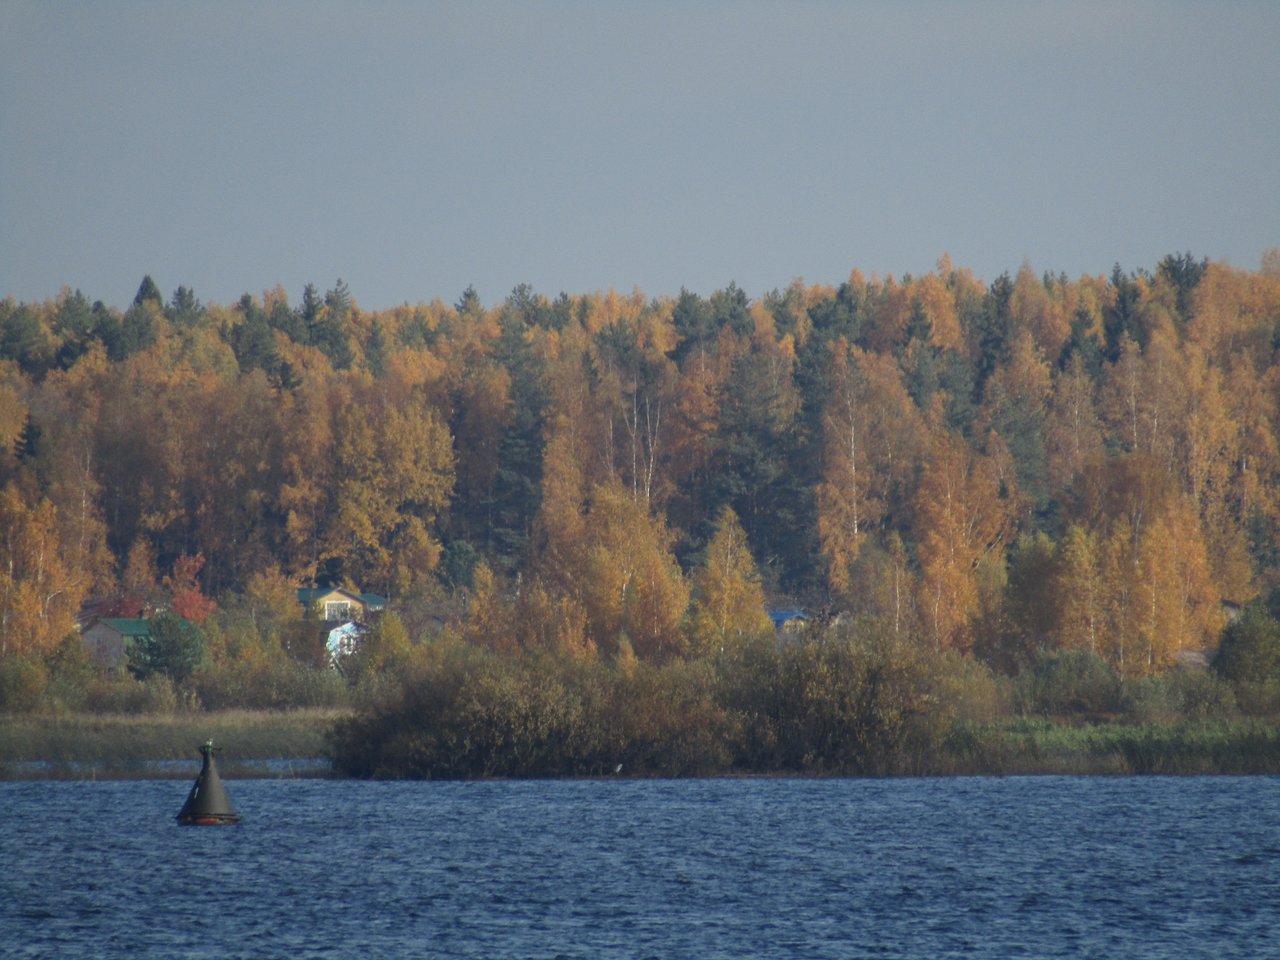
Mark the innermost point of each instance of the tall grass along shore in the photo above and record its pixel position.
(256, 743)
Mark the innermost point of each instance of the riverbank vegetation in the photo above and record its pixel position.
(978, 493)
(850, 703)
(117, 745)
(844, 703)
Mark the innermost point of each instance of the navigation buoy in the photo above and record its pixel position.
(207, 803)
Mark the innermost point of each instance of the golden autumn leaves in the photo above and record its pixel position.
(1026, 466)
(617, 590)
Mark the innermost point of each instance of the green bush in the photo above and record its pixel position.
(70, 673)
(1258, 699)
(1200, 695)
(968, 691)
(462, 712)
(1249, 650)
(277, 684)
(1179, 695)
(155, 695)
(860, 702)
(23, 681)
(1149, 700)
(1072, 682)
(854, 702)
(664, 720)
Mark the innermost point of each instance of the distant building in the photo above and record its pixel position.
(337, 604)
(109, 640)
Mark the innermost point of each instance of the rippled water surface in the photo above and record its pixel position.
(1034, 867)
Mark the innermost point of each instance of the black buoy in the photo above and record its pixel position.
(207, 803)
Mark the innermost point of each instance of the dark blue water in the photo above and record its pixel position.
(1024, 867)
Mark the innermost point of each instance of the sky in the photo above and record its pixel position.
(414, 149)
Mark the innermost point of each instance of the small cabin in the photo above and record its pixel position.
(109, 639)
(339, 605)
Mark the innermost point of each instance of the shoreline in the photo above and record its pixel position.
(258, 745)
(294, 744)
(311, 768)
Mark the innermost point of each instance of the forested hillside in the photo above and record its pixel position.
(1029, 465)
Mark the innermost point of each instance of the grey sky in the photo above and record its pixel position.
(413, 149)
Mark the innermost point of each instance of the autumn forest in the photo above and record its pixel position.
(1000, 470)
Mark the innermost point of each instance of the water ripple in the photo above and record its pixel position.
(1037, 867)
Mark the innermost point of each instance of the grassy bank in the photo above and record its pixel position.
(854, 704)
(117, 745)
(1018, 747)
(120, 746)
(859, 707)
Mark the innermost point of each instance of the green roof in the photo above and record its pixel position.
(130, 627)
(313, 593)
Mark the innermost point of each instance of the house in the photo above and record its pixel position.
(339, 604)
(109, 639)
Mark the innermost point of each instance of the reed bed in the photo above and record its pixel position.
(118, 744)
(1044, 746)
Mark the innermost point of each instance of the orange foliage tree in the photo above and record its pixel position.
(39, 594)
(963, 514)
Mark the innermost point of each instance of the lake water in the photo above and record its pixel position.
(982, 867)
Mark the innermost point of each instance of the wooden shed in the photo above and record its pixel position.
(108, 640)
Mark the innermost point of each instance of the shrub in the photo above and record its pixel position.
(1199, 695)
(23, 681)
(1073, 682)
(155, 694)
(1149, 700)
(1258, 699)
(70, 673)
(275, 684)
(1249, 651)
(462, 712)
(861, 702)
(1179, 695)
(967, 690)
(664, 720)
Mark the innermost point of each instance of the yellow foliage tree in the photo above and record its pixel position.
(1079, 587)
(39, 594)
(395, 477)
(656, 603)
(873, 437)
(633, 586)
(1036, 312)
(1156, 586)
(548, 621)
(1072, 431)
(963, 512)
(729, 600)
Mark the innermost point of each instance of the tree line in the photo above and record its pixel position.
(1002, 470)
